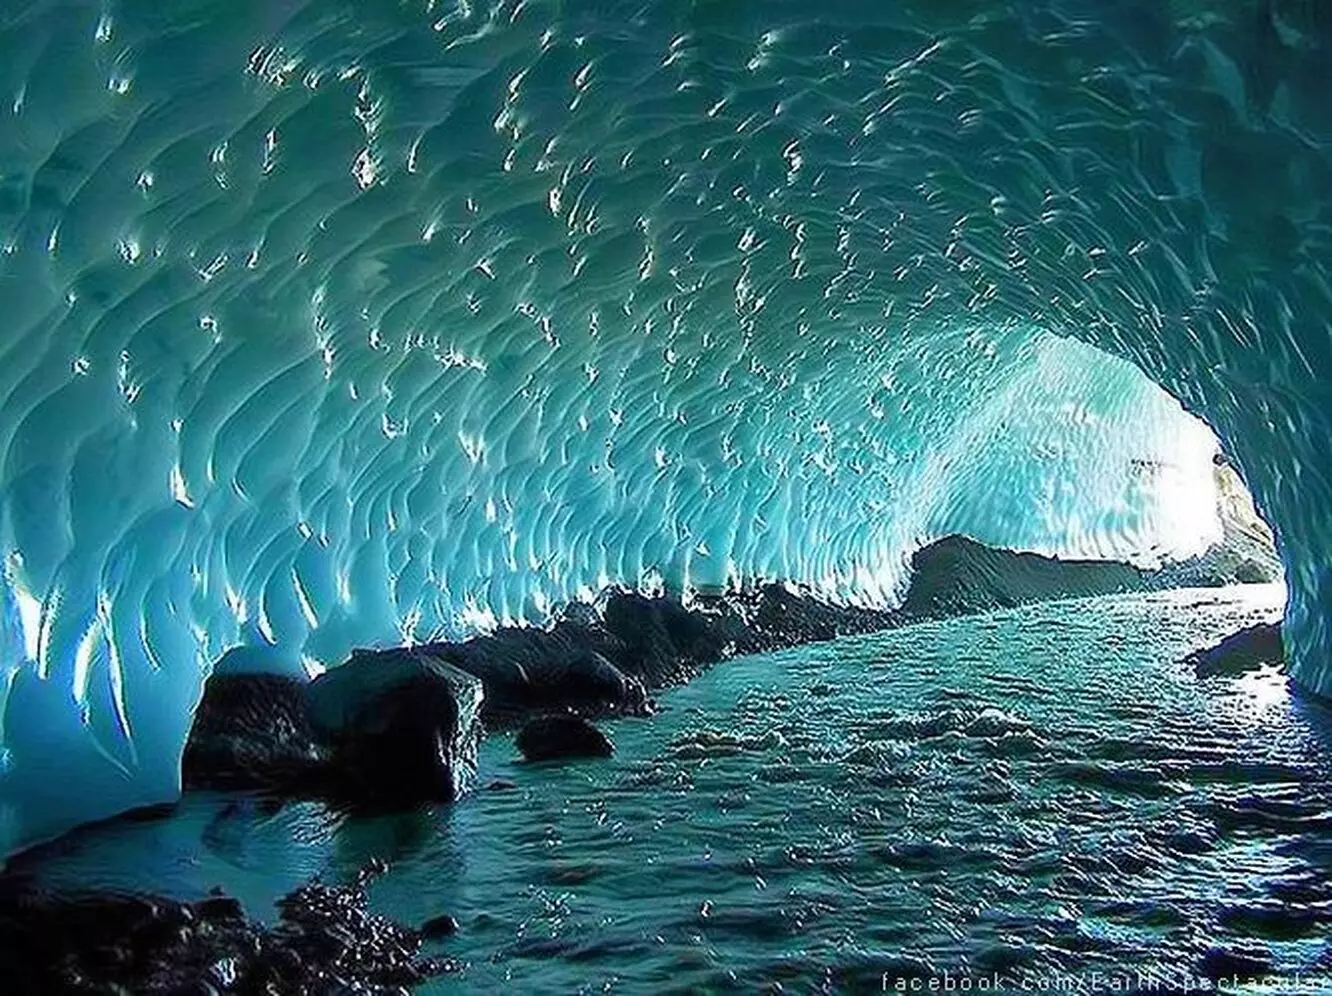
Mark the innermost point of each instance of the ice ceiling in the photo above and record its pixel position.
(336, 323)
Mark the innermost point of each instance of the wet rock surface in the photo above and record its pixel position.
(576, 664)
(1242, 651)
(605, 659)
(325, 941)
(443, 925)
(562, 735)
(402, 724)
(252, 731)
(663, 640)
(386, 728)
(957, 576)
(781, 615)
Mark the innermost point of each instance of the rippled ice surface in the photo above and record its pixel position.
(1039, 790)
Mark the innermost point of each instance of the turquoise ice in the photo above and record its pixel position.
(330, 323)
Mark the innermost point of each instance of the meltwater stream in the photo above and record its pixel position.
(1023, 795)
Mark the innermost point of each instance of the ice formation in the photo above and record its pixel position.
(336, 323)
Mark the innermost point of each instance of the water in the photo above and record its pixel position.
(1033, 792)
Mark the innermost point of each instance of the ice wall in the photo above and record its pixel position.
(338, 323)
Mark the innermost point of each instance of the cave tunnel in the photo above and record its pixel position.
(330, 325)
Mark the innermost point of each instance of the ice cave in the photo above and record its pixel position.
(334, 325)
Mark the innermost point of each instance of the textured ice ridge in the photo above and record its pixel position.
(330, 324)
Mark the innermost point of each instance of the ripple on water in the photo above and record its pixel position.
(785, 821)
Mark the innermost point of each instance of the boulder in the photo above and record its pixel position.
(443, 925)
(956, 576)
(562, 735)
(588, 677)
(529, 670)
(402, 725)
(786, 615)
(659, 639)
(1246, 650)
(251, 731)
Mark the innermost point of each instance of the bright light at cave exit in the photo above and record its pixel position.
(1187, 496)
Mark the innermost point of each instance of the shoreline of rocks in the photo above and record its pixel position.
(400, 725)
(252, 731)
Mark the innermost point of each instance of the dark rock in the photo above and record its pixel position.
(562, 735)
(785, 615)
(526, 670)
(604, 661)
(589, 677)
(660, 640)
(251, 731)
(1246, 650)
(956, 576)
(440, 926)
(219, 908)
(107, 942)
(387, 728)
(402, 725)
(501, 785)
(593, 662)
(149, 814)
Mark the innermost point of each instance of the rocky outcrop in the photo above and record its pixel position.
(605, 659)
(955, 576)
(664, 641)
(376, 720)
(252, 731)
(595, 660)
(570, 665)
(388, 727)
(402, 726)
(562, 735)
(326, 940)
(776, 616)
(1243, 651)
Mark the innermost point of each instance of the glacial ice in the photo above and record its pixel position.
(329, 323)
